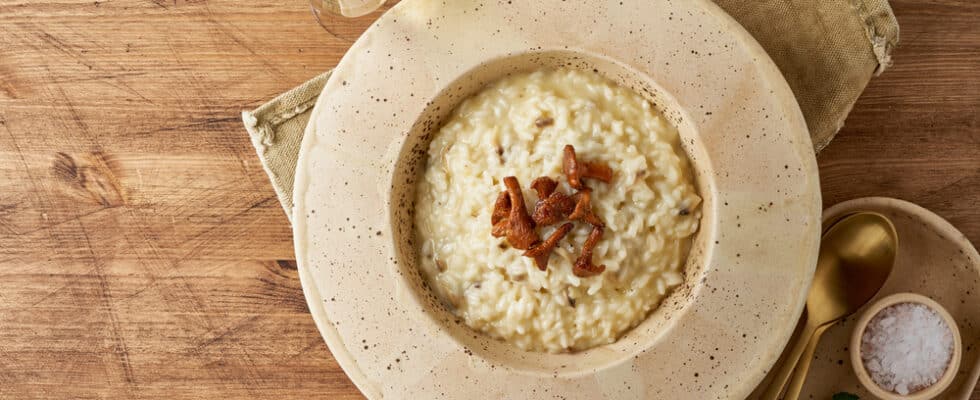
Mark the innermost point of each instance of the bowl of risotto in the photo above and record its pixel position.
(553, 199)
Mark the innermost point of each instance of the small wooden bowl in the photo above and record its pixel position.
(858, 364)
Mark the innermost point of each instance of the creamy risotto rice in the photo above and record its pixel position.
(651, 210)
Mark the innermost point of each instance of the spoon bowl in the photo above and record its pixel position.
(856, 257)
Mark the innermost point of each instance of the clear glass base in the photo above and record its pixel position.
(328, 13)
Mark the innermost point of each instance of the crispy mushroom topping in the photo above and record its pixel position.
(553, 209)
(597, 170)
(545, 186)
(583, 204)
(583, 267)
(570, 167)
(583, 208)
(520, 227)
(575, 171)
(542, 251)
(510, 217)
(500, 229)
(501, 208)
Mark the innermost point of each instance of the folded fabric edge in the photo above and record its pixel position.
(258, 133)
(262, 125)
(881, 29)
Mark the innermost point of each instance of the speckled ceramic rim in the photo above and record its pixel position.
(874, 309)
(739, 123)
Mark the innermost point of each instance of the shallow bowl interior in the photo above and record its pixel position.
(411, 163)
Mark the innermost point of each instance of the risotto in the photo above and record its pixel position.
(518, 127)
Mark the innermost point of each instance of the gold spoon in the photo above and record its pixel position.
(856, 257)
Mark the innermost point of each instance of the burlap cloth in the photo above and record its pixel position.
(828, 50)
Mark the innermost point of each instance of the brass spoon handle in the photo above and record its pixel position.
(789, 364)
(803, 366)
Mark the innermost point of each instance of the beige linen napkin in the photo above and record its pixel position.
(276, 129)
(827, 50)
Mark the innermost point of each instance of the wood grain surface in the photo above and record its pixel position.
(143, 253)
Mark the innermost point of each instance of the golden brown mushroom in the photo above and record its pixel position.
(510, 217)
(583, 267)
(500, 229)
(501, 208)
(553, 209)
(575, 170)
(545, 186)
(542, 251)
(520, 226)
(583, 208)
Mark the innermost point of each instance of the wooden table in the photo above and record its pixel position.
(143, 253)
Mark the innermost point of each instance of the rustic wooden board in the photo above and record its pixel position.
(142, 251)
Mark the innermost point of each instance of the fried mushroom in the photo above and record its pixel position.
(583, 208)
(542, 251)
(575, 171)
(501, 208)
(553, 209)
(583, 267)
(544, 186)
(520, 226)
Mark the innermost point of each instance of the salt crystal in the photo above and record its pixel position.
(906, 347)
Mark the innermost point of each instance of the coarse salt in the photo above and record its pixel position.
(906, 347)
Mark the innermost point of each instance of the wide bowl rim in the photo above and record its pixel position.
(808, 203)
